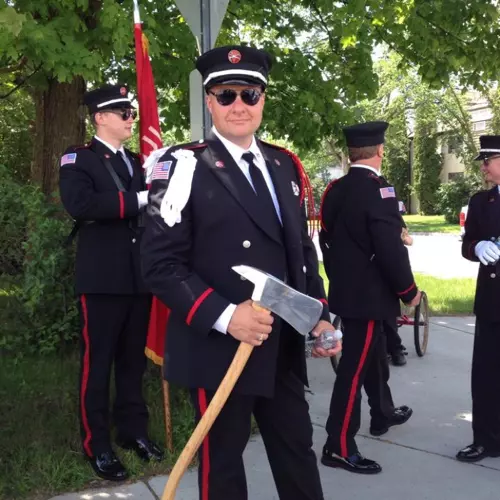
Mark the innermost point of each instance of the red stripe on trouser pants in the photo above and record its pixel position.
(85, 376)
(354, 389)
(205, 461)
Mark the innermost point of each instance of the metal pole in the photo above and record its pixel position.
(206, 44)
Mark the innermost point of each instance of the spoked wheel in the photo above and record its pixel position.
(334, 360)
(421, 325)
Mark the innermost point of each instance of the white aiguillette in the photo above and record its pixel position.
(179, 187)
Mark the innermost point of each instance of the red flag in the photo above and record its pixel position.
(150, 140)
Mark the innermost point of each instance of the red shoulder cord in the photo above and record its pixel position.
(306, 191)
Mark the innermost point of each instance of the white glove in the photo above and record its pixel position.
(142, 198)
(487, 252)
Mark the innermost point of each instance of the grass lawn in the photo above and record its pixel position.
(446, 296)
(40, 450)
(429, 224)
(39, 428)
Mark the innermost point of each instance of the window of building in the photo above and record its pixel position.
(479, 126)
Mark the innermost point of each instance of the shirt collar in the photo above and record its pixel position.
(237, 151)
(360, 165)
(109, 146)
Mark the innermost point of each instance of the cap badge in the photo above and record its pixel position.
(295, 188)
(123, 91)
(234, 56)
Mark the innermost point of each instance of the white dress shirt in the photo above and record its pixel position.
(360, 165)
(142, 196)
(236, 152)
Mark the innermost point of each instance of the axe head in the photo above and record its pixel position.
(297, 309)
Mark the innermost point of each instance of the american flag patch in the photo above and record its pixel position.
(68, 159)
(387, 192)
(161, 170)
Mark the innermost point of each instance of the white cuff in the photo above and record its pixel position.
(142, 198)
(223, 321)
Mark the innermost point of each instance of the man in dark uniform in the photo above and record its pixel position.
(369, 272)
(228, 200)
(102, 187)
(482, 229)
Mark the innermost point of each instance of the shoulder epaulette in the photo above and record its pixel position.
(189, 145)
(375, 177)
(306, 192)
(81, 146)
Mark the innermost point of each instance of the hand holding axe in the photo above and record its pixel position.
(273, 295)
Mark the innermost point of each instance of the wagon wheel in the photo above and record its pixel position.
(421, 325)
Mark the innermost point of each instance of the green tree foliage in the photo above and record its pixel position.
(323, 51)
(453, 195)
(427, 164)
(16, 130)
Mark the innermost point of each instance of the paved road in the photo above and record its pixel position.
(436, 255)
(417, 458)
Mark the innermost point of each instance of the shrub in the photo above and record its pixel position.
(42, 310)
(453, 195)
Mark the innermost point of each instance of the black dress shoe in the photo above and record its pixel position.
(399, 416)
(355, 463)
(144, 447)
(398, 358)
(107, 466)
(475, 452)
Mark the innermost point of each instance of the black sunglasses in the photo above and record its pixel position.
(226, 97)
(124, 113)
(487, 161)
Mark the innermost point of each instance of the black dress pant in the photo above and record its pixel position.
(363, 363)
(114, 329)
(394, 342)
(486, 385)
(286, 430)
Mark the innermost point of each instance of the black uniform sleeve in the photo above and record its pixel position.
(80, 198)
(166, 266)
(314, 282)
(472, 234)
(390, 253)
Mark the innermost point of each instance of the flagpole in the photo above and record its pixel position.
(165, 384)
(137, 16)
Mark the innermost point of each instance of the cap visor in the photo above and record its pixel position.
(235, 80)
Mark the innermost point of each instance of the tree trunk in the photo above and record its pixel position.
(58, 124)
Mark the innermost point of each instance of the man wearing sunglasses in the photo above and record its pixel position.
(102, 187)
(233, 199)
(482, 230)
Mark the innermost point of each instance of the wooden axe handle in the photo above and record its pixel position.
(214, 408)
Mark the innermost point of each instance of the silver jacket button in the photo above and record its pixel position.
(133, 240)
(493, 275)
(304, 269)
(247, 244)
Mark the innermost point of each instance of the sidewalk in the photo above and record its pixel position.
(417, 458)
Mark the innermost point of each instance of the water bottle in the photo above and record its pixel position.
(327, 340)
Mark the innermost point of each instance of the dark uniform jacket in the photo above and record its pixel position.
(188, 266)
(483, 223)
(107, 259)
(364, 257)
